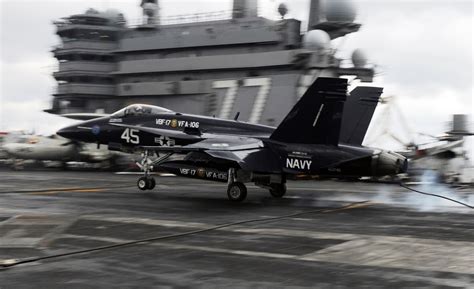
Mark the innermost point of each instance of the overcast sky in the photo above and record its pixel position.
(422, 49)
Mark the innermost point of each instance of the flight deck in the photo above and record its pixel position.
(97, 230)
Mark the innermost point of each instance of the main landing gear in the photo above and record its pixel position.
(277, 190)
(147, 182)
(236, 191)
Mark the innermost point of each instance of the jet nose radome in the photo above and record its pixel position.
(67, 132)
(9, 148)
(80, 133)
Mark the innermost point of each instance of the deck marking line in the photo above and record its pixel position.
(179, 235)
(69, 191)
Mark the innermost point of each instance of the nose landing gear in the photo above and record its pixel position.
(147, 182)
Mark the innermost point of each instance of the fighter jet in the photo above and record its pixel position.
(306, 142)
(53, 148)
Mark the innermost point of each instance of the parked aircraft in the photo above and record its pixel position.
(53, 148)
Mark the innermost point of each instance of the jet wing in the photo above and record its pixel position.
(228, 143)
(255, 160)
(164, 132)
(248, 153)
(225, 143)
(83, 116)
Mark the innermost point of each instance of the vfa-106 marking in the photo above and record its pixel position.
(175, 123)
(308, 141)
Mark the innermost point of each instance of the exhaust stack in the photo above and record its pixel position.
(245, 9)
(314, 14)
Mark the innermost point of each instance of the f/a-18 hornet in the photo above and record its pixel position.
(306, 142)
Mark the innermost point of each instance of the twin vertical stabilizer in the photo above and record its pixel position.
(316, 117)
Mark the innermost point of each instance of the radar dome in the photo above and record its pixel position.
(317, 40)
(114, 16)
(149, 9)
(340, 10)
(359, 59)
(91, 11)
(282, 10)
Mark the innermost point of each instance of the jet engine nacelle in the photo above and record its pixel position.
(381, 163)
(388, 163)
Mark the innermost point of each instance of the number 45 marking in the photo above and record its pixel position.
(130, 136)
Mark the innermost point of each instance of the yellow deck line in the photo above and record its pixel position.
(52, 192)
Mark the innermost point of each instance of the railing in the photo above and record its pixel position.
(86, 88)
(186, 18)
(177, 19)
(87, 44)
(86, 66)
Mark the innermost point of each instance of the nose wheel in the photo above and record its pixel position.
(147, 182)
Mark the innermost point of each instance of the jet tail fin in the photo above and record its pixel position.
(316, 117)
(358, 111)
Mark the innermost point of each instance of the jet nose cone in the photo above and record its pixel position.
(9, 148)
(67, 132)
(80, 132)
(93, 131)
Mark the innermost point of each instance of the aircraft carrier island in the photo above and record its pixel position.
(195, 64)
(96, 229)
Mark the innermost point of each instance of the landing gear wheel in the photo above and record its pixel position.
(151, 183)
(277, 190)
(142, 183)
(237, 192)
(146, 183)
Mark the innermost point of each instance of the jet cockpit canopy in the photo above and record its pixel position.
(139, 109)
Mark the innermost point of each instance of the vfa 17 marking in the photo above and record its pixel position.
(203, 173)
(300, 164)
(130, 135)
(174, 123)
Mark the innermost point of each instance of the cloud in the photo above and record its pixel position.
(28, 80)
(29, 116)
(423, 49)
(423, 45)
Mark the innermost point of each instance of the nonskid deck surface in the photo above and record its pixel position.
(349, 235)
